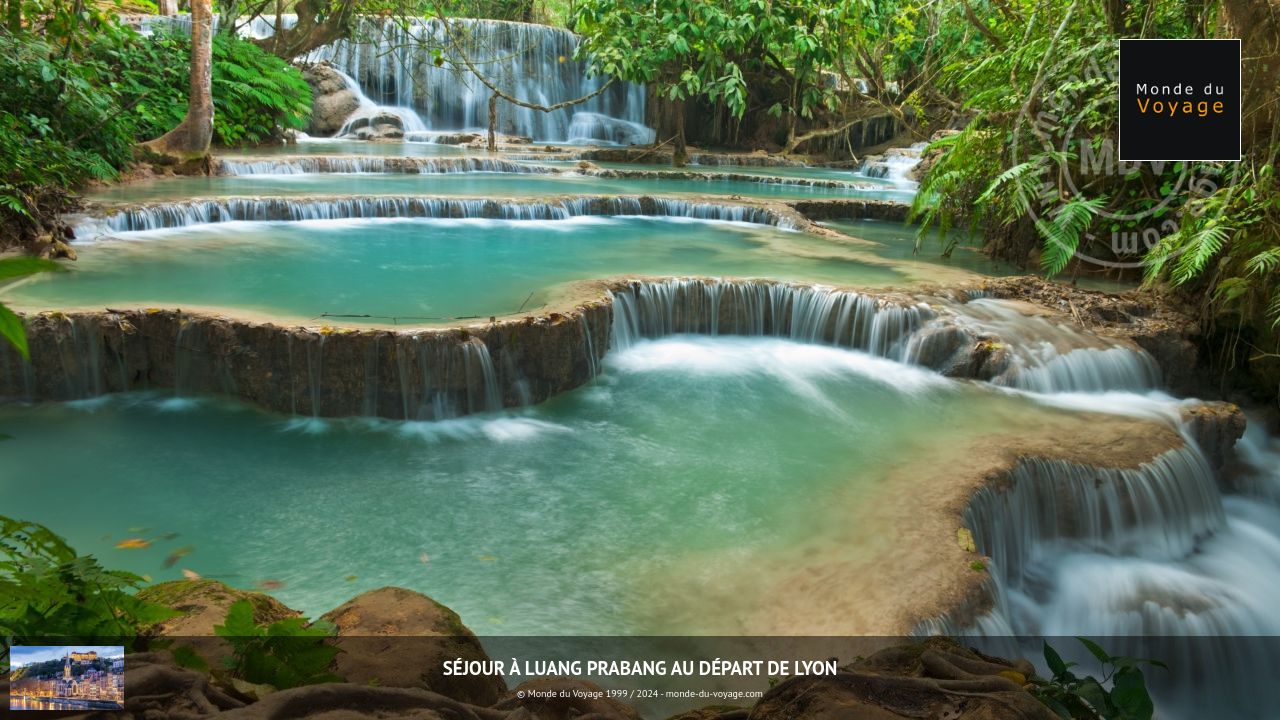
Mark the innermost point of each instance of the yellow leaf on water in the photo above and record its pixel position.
(133, 544)
(424, 559)
(352, 578)
(488, 558)
(190, 574)
(965, 539)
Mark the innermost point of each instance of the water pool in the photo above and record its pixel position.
(632, 505)
(422, 268)
(472, 184)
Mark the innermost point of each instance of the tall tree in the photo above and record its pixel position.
(190, 139)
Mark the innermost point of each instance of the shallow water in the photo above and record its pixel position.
(575, 516)
(897, 242)
(426, 269)
(479, 184)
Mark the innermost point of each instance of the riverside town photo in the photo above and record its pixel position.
(640, 359)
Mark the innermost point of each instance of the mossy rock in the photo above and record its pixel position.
(204, 604)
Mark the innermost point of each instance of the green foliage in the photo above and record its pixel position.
(287, 653)
(76, 97)
(57, 128)
(1088, 698)
(255, 94)
(1037, 158)
(47, 590)
(11, 327)
(805, 54)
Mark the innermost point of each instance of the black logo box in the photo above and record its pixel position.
(1194, 65)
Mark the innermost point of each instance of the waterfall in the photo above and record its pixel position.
(396, 64)
(1047, 356)
(476, 353)
(368, 112)
(894, 165)
(1152, 561)
(306, 165)
(155, 216)
(1160, 510)
(804, 313)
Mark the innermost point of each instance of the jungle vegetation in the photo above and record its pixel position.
(80, 92)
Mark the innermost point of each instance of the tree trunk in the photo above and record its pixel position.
(190, 140)
(493, 122)
(319, 23)
(680, 155)
(168, 7)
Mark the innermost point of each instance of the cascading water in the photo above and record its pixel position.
(1046, 356)
(373, 165)
(1155, 561)
(199, 212)
(396, 64)
(368, 113)
(894, 165)
(804, 313)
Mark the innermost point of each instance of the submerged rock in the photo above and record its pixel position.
(394, 637)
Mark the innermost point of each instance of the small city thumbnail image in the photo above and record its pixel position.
(66, 677)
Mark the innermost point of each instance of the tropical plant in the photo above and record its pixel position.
(11, 328)
(287, 653)
(1120, 694)
(47, 590)
(1034, 170)
(815, 65)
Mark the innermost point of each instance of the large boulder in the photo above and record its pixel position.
(379, 126)
(332, 99)
(202, 604)
(394, 637)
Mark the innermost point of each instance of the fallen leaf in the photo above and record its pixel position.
(133, 544)
(351, 578)
(190, 574)
(270, 584)
(177, 555)
(424, 559)
(488, 558)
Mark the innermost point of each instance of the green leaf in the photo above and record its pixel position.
(239, 622)
(1130, 697)
(1054, 660)
(1096, 650)
(22, 266)
(13, 330)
